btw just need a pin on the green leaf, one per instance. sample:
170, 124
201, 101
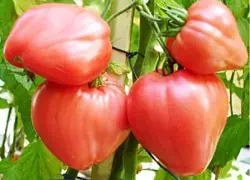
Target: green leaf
22, 100
143, 156
7, 18
168, 3
163, 175
118, 68
248, 172
238, 7
5, 164
206, 175
23, 5
234, 137
186, 3
235, 89
223, 172
243, 26
35, 163
4, 103
239, 177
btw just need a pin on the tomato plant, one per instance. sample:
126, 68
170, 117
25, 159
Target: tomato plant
73, 51
172, 58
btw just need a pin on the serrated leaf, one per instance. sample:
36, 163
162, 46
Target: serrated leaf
35, 163
234, 137
22, 100
4, 103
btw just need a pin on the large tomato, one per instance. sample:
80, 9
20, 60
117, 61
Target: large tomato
63, 43
80, 125
209, 41
179, 118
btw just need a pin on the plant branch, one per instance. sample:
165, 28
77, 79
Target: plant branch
165, 169
2, 153
231, 93
13, 145
113, 16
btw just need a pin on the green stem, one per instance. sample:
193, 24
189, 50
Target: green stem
2, 153
130, 158
106, 8
118, 163
245, 95
157, 32
113, 16
145, 36
231, 93
71, 173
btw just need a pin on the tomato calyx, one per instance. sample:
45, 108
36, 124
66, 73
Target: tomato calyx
99, 81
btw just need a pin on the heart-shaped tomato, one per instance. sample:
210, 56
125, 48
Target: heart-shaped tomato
179, 118
80, 125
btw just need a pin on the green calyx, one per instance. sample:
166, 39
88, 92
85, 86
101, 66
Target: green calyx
97, 82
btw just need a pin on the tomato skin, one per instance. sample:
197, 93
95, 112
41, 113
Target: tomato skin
80, 125
179, 118
209, 41
63, 43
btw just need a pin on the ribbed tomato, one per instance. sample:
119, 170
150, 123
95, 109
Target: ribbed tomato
209, 41
63, 43
179, 118
80, 125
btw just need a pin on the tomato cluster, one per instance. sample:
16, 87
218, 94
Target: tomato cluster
178, 117
80, 123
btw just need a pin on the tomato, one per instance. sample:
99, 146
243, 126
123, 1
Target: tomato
179, 118
63, 43
80, 125
209, 41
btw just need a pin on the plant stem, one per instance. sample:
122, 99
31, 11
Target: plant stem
121, 11
13, 145
145, 35
71, 173
106, 8
130, 158
231, 93
245, 95
118, 164
157, 32
2, 153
